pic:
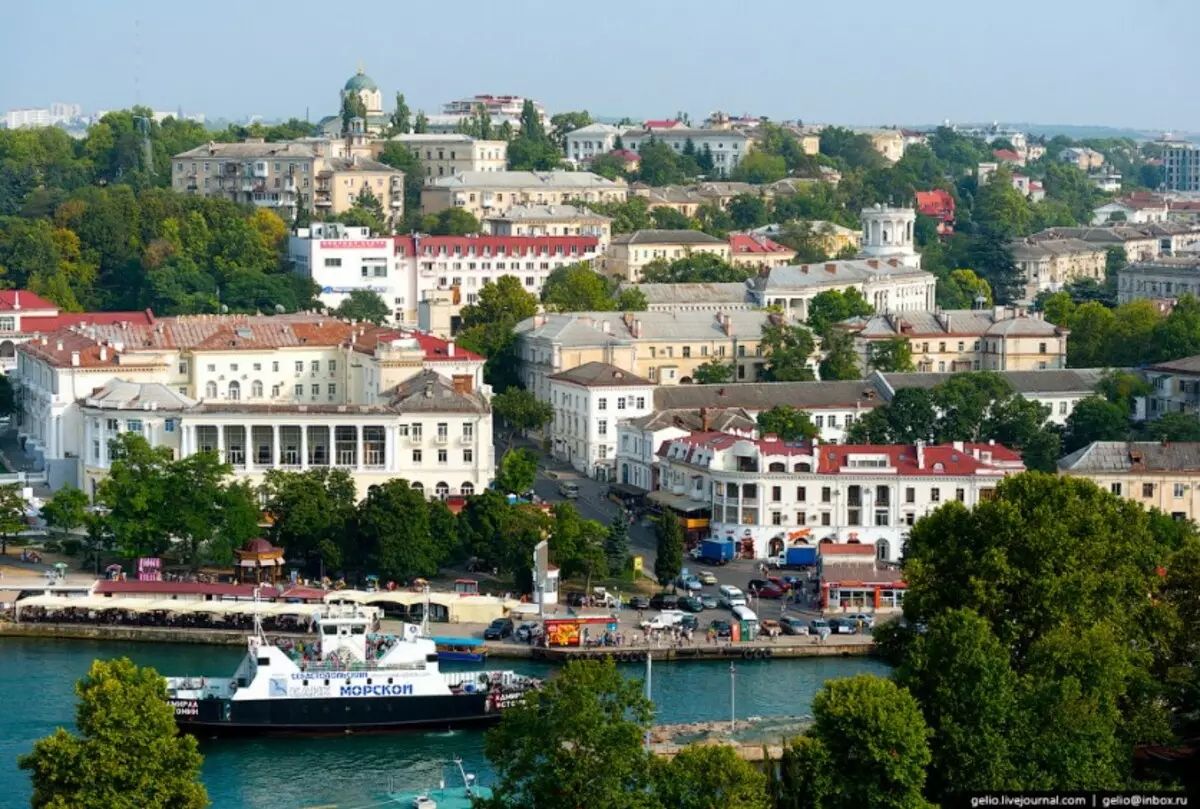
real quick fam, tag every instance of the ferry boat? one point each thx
(355, 681)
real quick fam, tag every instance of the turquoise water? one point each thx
(37, 680)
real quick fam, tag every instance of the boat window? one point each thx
(358, 630)
(431, 658)
(329, 630)
(264, 661)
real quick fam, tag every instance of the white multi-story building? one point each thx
(640, 438)
(588, 403)
(451, 154)
(28, 117)
(285, 392)
(342, 258)
(591, 141)
(766, 493)
(728, 146)
(502, 106)
(888, 234)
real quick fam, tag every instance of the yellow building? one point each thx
(1165, 476)
(341, 180)
(490, 193)
(629, 253)
(451, 154)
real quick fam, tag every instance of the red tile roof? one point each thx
(628, 155)
(937, 203)
(511, 245)
(22, 300)
(1006, 155)
(48, 323)
(436, 349)
(743, 243)
(665, 123)
(845, 549)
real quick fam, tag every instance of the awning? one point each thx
(626, 490)
(678, 502)
(9, 596)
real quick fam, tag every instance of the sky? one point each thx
(867, 63)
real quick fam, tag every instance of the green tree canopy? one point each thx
(1095, 419)
(840, 359)
(393, 535)
(708, 776)
(834, 306)
(521, 410)
(713, 372)
(577, 288)
(788, 423)
(517, 472)
(694, 268)
(669, 544)
(127, 754)
(893, 355)
(65, 510)
(789, 350)
(759, 168)
(365, 306)
(312, 513)
(451, 222)
(488, 327)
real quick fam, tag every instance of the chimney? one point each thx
(727, 326)
(704, 419)
(75, 359)
(873, 263)
(920, 455)
(450, 349)
(637, 327)
(58, 346)
(944, 319)
(103, 353)
(831, 268)
(17, 300)
(958, 445)
(606, 327)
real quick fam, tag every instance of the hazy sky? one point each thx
(867, 62)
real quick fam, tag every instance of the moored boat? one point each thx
(460, 650)
(351, 680)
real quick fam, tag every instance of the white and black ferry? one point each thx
(354, 681)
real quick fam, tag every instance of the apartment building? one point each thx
(888, 142)
(758, 252)
(890, 286)
(728, 146)
(717, 297)
(25, 316)
(629, 253)
(1165, 476)
(406, 271)
(1164, 277)
(664, 347)
(285, 392)
(1181, 165)
(500, 106)
(342, 180)
(589, 401)
(765, 493)
(486, 193)
(451, 154)
(639, 439)
(591, 141)
(1176, 387)
(833, 238)
(551, 220)
(1050, 264)
(1138, 244)
(999, 339)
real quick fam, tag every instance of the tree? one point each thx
(564, 123)
(964, 402)
(8, 400)
(713, 372)
(517, 472)
(992, 259)
(312, 513)
(577, 740)
(1095, 419)
(788, 423)
(893, 355)
(134, 491)
(910, 417)
(398, 156)
(706, 776)
(488, 327)
(392, 532)
(875, 732)
(961, 289)
(693, 268)
(65, 510)
(352, 107)
(805, 778)
(1092, 328)
(616, 545)
(670, 219)
(834, 306)
(451, 222)
(759, 168)
(522, 411)
(401, 117)
(840, 360)
(631, 299)
(1173, 427)
(578, 544)
(660, 165)
(420, 123)
(12, 514)
(669, 548)
(365, 306)
(127, 755)
(1058, 308)
(789, 350)
(531, 149)
(747, 211)
(576, 288)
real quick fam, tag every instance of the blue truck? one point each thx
(716, 551)
(800, 556)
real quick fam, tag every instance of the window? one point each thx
(1147, 490)
(468, 456)
(443, 456)
(776, 518)
(1179, 489)
(133, 426)
(776, 494)
(1041, 348)
(1062, 408)
(602, 403)
(212, 369)
(275, 366)
(315, 366)
(960, 495)
(468, 432)
(801, 518)
(826, 494)
(820, 421)
(416, 432)
(233, 368)
(298, 391)
(801, 493)
(910, 495)
(417, 457)
(183, 367)
(620, 403)
(316, 391)
(333, 262)
(687, 351)
(825, 518)
(935, 495)
(299, 366)
(210, 390)
(169, 425)
(602, 427)
(256, 389)
(1115, 488)
(332, 387)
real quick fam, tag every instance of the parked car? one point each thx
(498, 629)
(525, 631)
(770, 591)
(724, 629)
(638, 603)
(793, 626)
(706, 577)
(569, 490)
(689, 622)
(664, 601)
(664, 620)
(781, 582)
(731, 596)
(843, 626)
(816, 625)
(709, 602)
(691, 604)
(754, 585)
(690, 583)
(865, 619)
(770, 627)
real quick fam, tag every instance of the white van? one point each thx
(745, 614)
(664, 620)
(731, 596)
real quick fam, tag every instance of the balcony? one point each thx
(441, 439)
(415, 439)
(397, 202)
(466, 440)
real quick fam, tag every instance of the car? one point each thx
(525, 631)
(664, 620)
(754, 585)
(843, 626)
(770, 591)
(724, 629)
(689, 622)
(770, 627)
(706, 577)
(664, 601)
(709, 602)
(576, 599)
(781, 582)
(690, 583)
(691, 604)
(638, 603)
(816, 625)
(865, 620)
(793, 626)
(499, 629)
(733, 600)
(569, 490)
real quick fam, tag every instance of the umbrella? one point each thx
(372, 577)
(60, 565)
(113, 568)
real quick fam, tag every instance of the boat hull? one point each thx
(225, 717)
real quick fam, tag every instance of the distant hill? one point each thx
(1081, 132)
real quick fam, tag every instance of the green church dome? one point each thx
(361, 81)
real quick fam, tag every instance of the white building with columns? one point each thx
(766, 494)
(588, 403)
(288, 392)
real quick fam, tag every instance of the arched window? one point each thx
(416, 484)
(256, 389)
(802, 467)
(939, 467)
(777, 467)
(235, 391)
(210, 390)
(467, 489)
(442, 490)
(883, 550)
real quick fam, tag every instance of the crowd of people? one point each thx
(162, 618)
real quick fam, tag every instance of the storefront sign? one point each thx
(347, 244)
(562, 633)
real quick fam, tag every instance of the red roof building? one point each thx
(1008, 156)
(758, 251)
(938, 204)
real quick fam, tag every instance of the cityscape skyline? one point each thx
(953, 74)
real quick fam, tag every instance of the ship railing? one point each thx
(313, 666)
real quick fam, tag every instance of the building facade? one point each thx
(765, 493)
(629, 253)
(589, 401)
(1165, 476)
(485, 194)
(551, 220)
(266, 392)
(591, 141)
(758, 252)
(448, 155)
(1049, 265)
(1181, 165)
(1164, 277)
(728, 146)
(1175, 387)
(890, 286)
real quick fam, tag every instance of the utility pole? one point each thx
(732, 699)
(649, 674)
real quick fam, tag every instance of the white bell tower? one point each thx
(888, 233)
